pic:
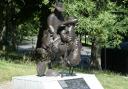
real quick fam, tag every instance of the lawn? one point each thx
(109, 80)
(10, 69)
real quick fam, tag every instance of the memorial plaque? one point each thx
(78, 83)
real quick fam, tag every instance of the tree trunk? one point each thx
(2, 28)
(98, 57)
(9, 39)
(80, 38)
(85, 39)
(43, 24)
(95, 56)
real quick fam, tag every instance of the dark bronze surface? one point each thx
(59, 42)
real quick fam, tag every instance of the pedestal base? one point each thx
(83, 81)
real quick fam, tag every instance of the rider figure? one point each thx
(56, 21)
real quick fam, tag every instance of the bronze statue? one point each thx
(73, 44)
(59, 42)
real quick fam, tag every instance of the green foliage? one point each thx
(27, 29)
(79, 7)
(102, 19)
(99, 24)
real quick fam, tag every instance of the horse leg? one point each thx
(72, 70)
(50, 65)
(41, 68)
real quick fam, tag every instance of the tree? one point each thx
(2, 30)
(15, 13)
(96, 18)
(7, 24)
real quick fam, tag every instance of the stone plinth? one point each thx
(56, 82)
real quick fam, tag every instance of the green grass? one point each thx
(109, 80)
(10, 69)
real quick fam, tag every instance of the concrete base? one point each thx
(46, 82)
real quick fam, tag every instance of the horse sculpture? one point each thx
(65, 48)
(59, 43)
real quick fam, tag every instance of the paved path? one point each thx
(27, 45)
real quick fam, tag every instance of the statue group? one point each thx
(59, 42)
